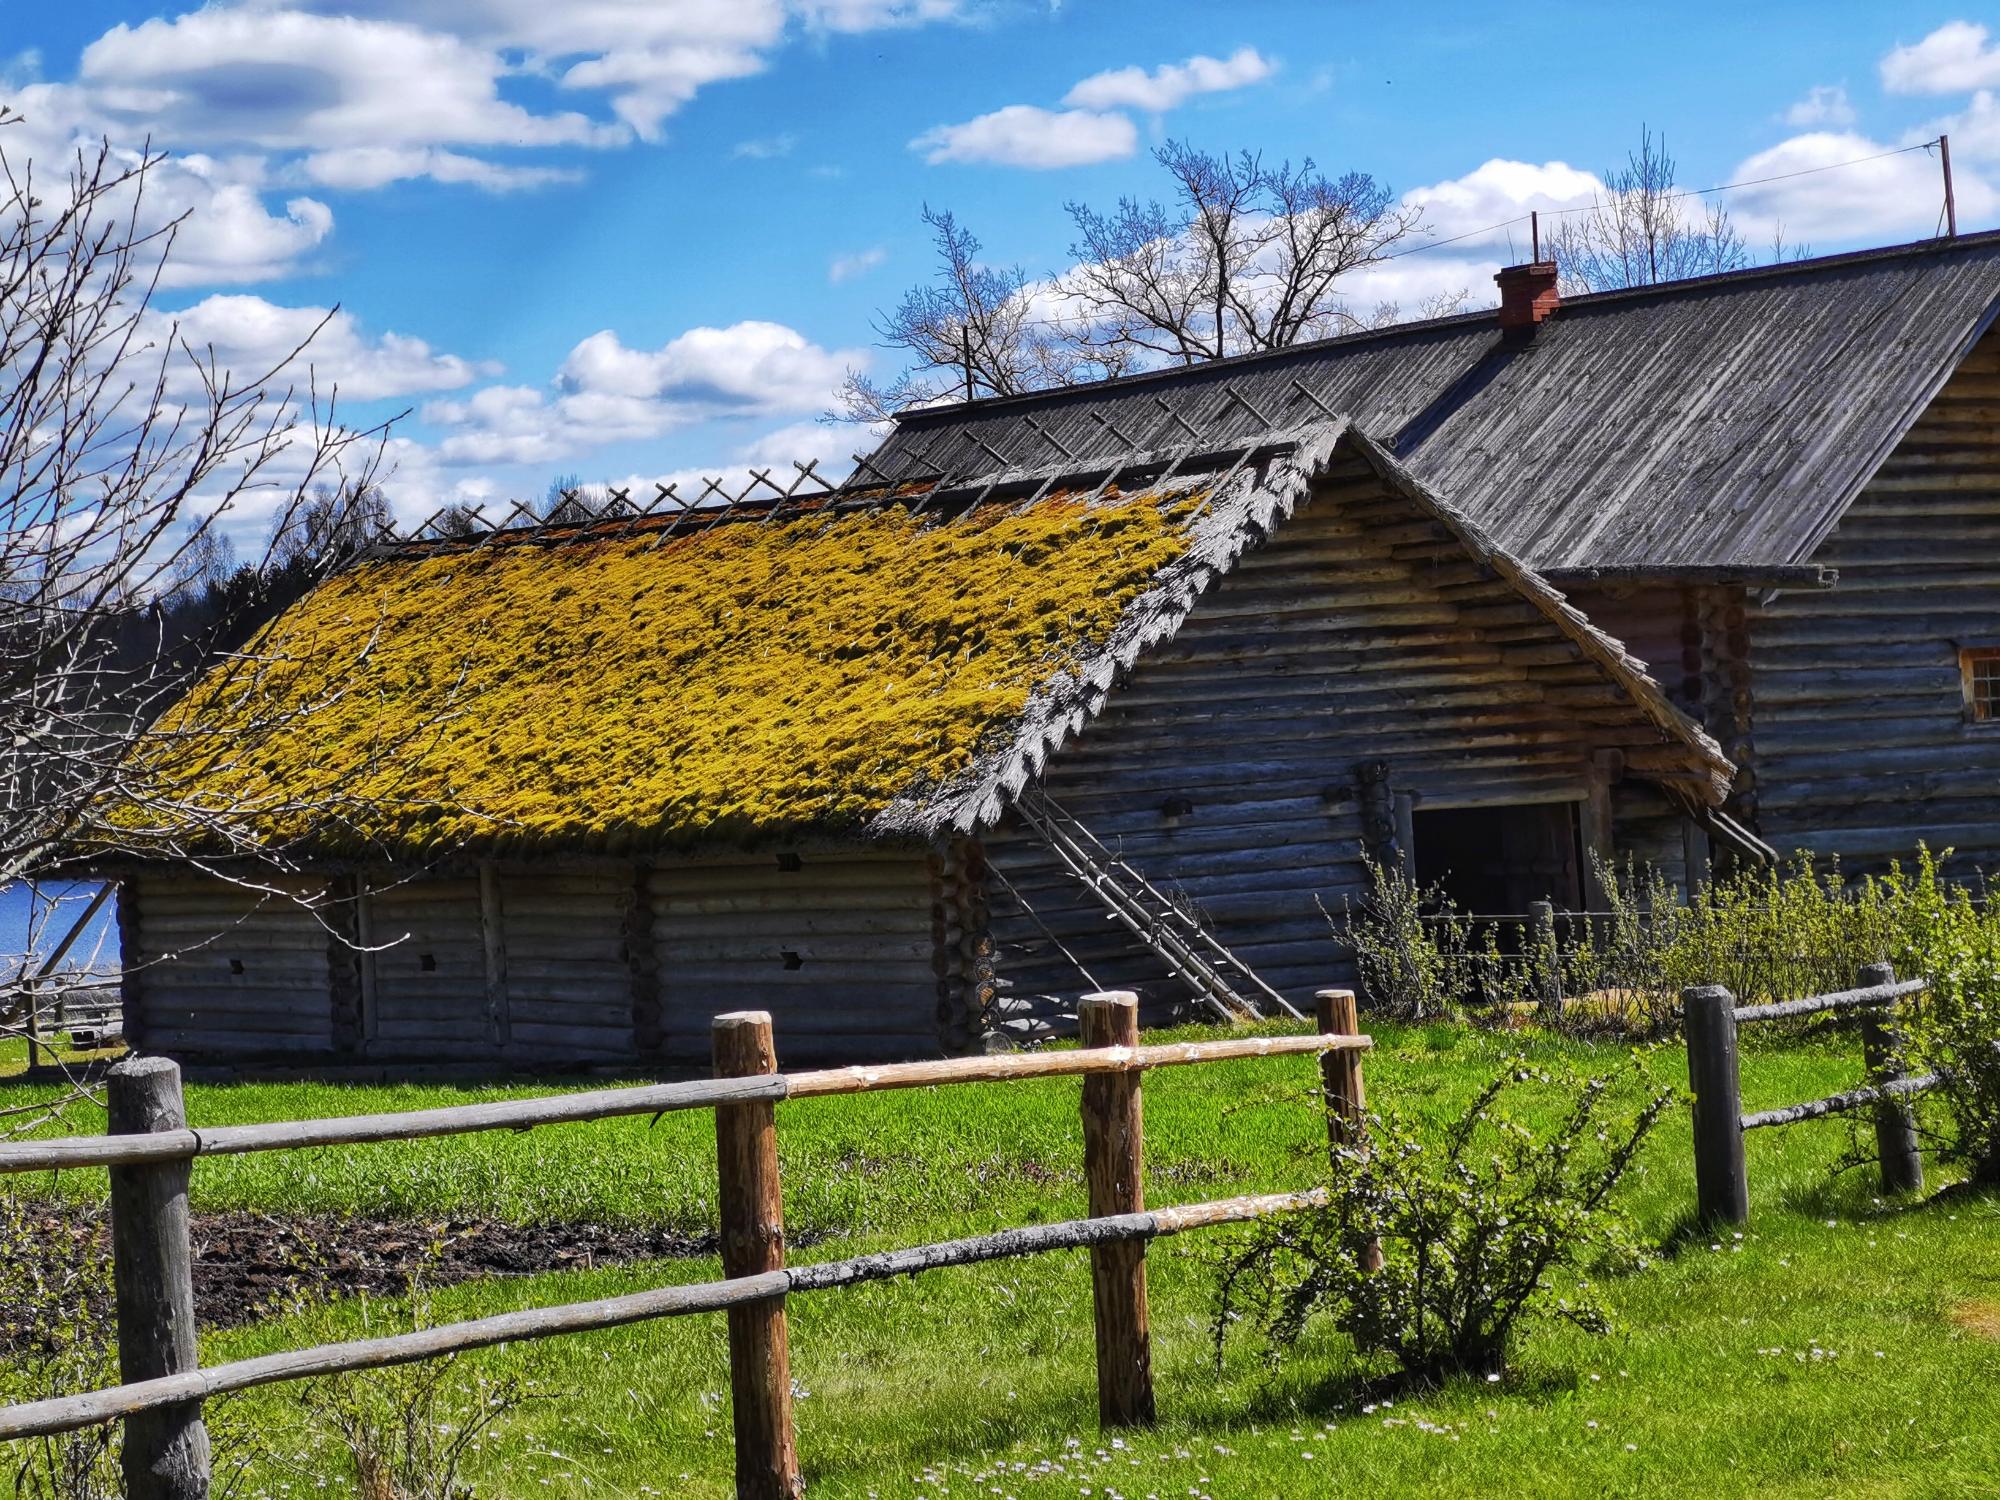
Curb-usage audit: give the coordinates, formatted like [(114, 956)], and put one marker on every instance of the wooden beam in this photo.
[(605, 1104), (493, 941), (70, 1413), (166, 1453), (1114, 1169), (753, 1244)]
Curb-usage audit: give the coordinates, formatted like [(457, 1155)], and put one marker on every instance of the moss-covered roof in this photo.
[(793, 676), (871, 672)]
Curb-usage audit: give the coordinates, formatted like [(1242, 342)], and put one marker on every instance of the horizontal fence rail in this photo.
[(1833, 1104), (652, 1099), (69, 1413), (1722, 1177), (1870, 997), (151, 1151)]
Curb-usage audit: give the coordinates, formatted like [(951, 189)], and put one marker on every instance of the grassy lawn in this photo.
[(1816, 1356)]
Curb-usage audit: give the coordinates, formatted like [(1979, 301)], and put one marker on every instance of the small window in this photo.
[(1979, 667)]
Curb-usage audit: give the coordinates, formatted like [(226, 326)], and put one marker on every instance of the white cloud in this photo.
[(748, 367), (1170, 85), (504, 424), (1824, 104), (765, 148), (358, 167), (1022, 135), (1974, 131), (250, 336), (1951, 60), (377, 91), (285, 80), (1886, 198), (231, 237), (1498, 191), (847, 267), (608, 392), (649, 56), (228, 233), (872, 15)]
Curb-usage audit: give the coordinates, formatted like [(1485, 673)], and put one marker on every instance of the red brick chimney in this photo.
[(1527, 294)]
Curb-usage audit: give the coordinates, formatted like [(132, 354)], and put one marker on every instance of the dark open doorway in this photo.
[(1493, 861)]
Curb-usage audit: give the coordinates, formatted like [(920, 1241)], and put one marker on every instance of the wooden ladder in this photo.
[(1218, 978)]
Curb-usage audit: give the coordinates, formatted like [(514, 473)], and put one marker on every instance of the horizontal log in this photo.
[(769, 973), (600, 1104), (900, 898), (70, 1413), (1872, 995), (1839, 1103)]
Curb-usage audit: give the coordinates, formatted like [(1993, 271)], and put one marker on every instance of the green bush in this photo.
[(1470, 1233), (1768, 935)]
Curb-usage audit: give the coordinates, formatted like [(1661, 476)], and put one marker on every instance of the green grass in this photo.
[(916, 1387)]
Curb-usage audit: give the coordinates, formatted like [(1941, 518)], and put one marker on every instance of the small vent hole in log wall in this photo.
[(236, 966), (427, 962), (790, 863), (793, 960)]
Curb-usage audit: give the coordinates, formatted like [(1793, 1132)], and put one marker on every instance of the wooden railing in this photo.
[(150, 1151), (1722, 1178)]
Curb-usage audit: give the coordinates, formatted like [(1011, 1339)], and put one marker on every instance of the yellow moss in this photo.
[(789, 676)]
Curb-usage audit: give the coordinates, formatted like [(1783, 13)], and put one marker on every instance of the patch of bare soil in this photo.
[(248, 1266), (1979, 1317)]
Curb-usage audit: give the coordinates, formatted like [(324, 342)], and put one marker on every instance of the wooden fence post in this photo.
[(1114, 1157), (1722, 1183), (753, 1241), (1346, 1095), (1895, 1119), (152, 1265)]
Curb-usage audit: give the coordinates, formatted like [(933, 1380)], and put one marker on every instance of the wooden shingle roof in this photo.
[(1720, 422)]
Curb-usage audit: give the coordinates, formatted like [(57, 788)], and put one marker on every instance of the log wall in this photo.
[(1361, 632), (837, 946), (860, 957), (1862, 744), (217, 970)]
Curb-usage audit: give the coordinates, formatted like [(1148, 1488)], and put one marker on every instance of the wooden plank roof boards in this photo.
[(1721, 422), (846, 672)]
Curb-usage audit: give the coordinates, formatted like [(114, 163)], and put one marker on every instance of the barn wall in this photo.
[(604, 963), (429, 971), (1862, 746), (839, 949), (216, 970), (1359, 633)]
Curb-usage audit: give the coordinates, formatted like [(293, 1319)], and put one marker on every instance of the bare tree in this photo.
[(973, 330), (1644, 229), (330, 526), (122, 450), (1245, 257)]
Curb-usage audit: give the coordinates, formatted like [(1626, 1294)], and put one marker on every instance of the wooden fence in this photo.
[(150, 1152), (1722, 1180)]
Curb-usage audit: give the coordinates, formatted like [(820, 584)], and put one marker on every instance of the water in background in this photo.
[(26, 913)]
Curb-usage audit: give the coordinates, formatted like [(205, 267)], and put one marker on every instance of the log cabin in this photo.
[(909, 764), (1780, 487)]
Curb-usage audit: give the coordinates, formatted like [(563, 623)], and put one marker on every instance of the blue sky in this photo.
[(635, 238)]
